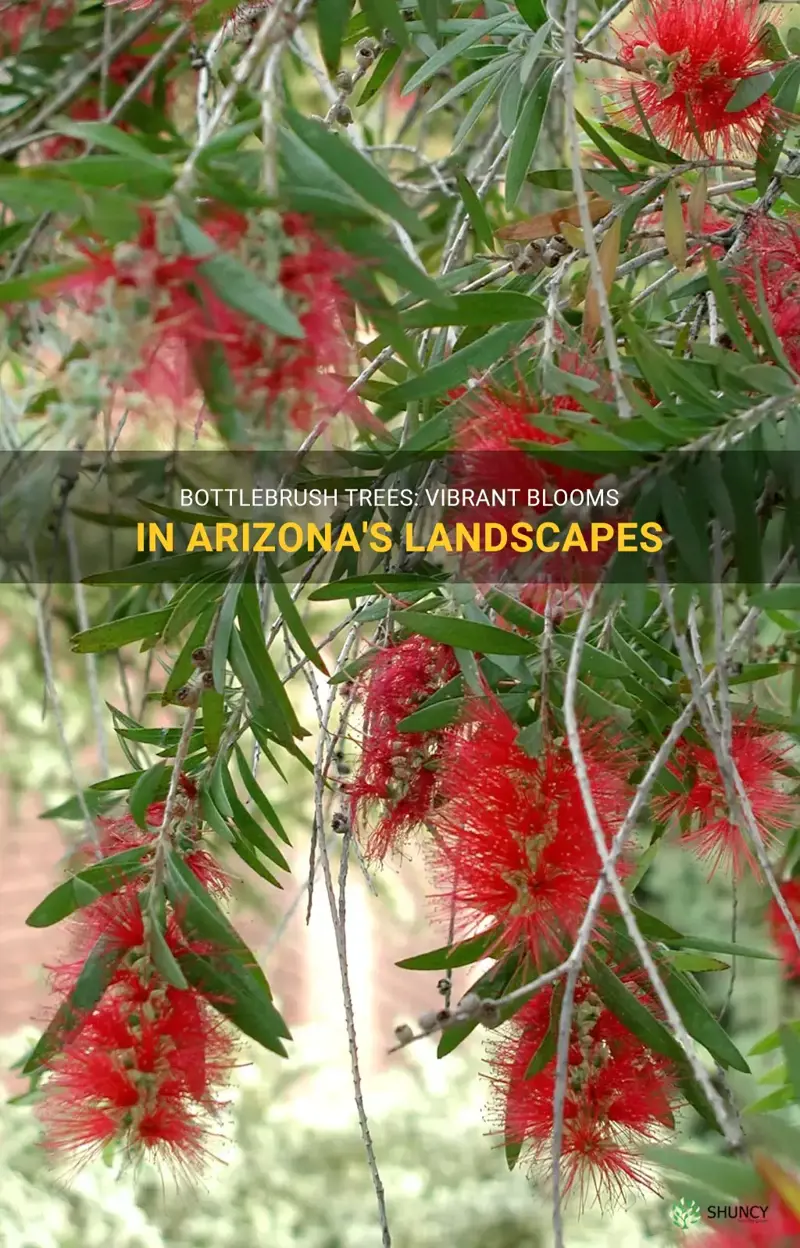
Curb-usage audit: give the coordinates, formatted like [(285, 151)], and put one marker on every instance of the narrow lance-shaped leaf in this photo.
[(147, 788), (97, 973), (100, 879), (259, 796), (674, 228), (607, 255), (526, 135), (698, 197), (453, 48), (122, 632)]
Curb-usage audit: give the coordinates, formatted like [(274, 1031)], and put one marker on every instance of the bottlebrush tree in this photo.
[(544, 257)]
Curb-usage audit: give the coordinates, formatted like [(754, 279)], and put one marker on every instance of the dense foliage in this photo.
[(526, 276)]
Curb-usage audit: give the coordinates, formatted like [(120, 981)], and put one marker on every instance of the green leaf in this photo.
[(515, 612), (236, 285), (602, 144), (700, 1023), (682, 525), (497, 67), (163, 957), (332, 21), (201, 919), (101, 134), (449, 957), (249, 828), (145, 791), (72, 809), (254, 1014), (781, 598), (368, 585), (367, 241), (358, 172), (192, 605), (596, 662), (533, 13), (790, 1042), (738, 474), (490, 308), (172, 568), (19, 289), (274, 696), (526, 135), (640, 146), (449, 51), (451, 372), (627, 1007), (749, 90), (380, 74), (120, 632), (720, 946), (97, 973), (222, 636), (430, 718), (475, 211), (385, 15), (548, 1046), (726, 1175), (291, 616), (698, 963), (116, 783), (257, 794), (781, 1098), (213, 705), (773, 137), (184, 665), (102, 878), (635, 661), (27, 196), (726, 309), (480, 638), (96, 173), (229, 975)]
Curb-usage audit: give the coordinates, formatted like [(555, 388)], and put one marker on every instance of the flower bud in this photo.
[(365, 52)]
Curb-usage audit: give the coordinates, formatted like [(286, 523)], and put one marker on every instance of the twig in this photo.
[(341, 947)]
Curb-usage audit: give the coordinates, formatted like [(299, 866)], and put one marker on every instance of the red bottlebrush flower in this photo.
[(176, 315), (396, 768), (781, 932), (121, 73), (759, 758), (307, 373), (773, 262), (619, 1094), (780, 1228), (18, 17), (141, 1069), (690, 56), (143, 1065), (487, 466), (513, 844)]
